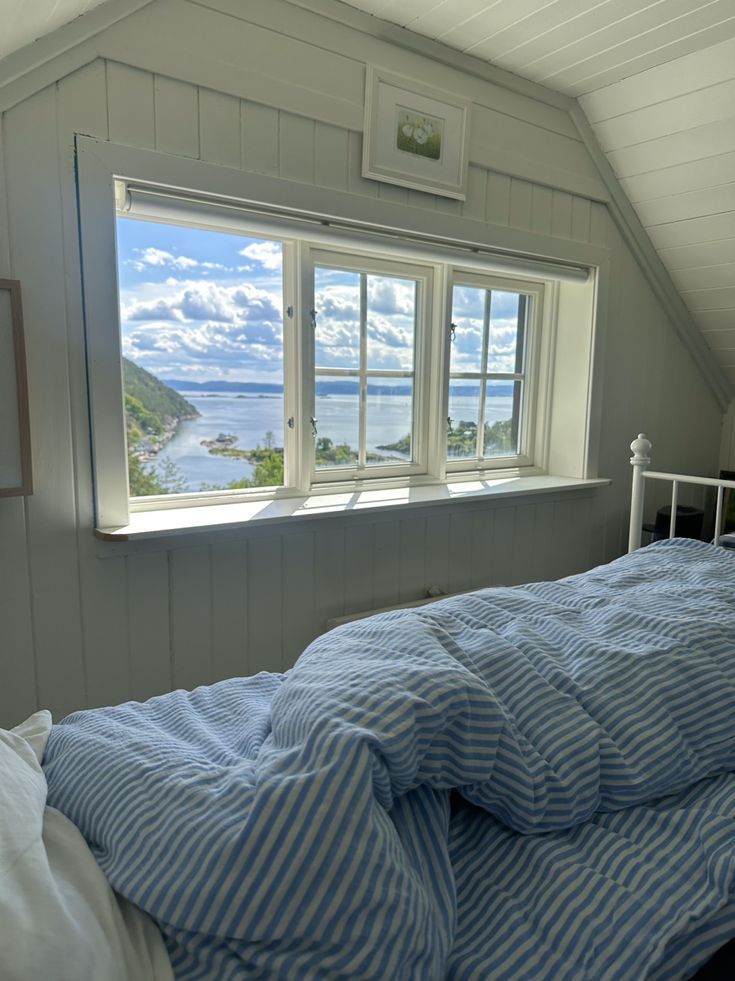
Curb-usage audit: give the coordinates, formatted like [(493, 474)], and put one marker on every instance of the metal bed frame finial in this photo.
[(641, 459)]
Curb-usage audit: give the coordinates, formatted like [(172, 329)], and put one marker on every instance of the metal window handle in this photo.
[(452, 331), (313, 426), (290, 422), (312, 314)]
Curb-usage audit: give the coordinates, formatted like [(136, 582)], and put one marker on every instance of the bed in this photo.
[(524, 783)]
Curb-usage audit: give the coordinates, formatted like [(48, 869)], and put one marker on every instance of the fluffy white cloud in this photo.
[(267, 254), (159, 257)]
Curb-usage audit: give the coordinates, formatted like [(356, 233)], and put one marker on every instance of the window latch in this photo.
[(313, 426), (449, 422), (290, 422), (289, 312), (312, 314), (452, 331)]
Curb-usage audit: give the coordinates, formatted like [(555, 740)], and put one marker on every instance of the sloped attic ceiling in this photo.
[(656, 79)]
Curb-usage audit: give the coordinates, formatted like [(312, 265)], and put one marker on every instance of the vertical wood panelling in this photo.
[(541, 557), (300, 623), (436, 562), (35, 224), (412, 579), (482, 551), (598, 223), (580, 219), (17, 661), (521, 557), (503, 544), (497, 201), (191, 616), (356, 183), (148, 625), (561, 214), (460, 551), (358, 568), (329, 583), (541, 209), (265, 608), (220, 137), (219, 128), (130, 106), (331, 157), (229, 610), (176, 116), (259, 127), (520, 204), (474, 205), (296, 148), (386, 563)]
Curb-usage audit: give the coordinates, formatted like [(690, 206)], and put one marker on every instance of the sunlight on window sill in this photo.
[(220, 517)]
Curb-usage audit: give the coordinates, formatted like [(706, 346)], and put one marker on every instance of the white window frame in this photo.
[(534, 316), (364, 263), (377, 228)]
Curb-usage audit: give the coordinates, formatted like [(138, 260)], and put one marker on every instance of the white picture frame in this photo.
[(415, 135), (15, 441)]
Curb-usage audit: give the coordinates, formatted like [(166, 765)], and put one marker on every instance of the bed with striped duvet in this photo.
[(520, 783)]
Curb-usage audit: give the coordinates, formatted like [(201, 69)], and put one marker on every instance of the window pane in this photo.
[(337, 303), (464, 405), (468, 313), (505, 345), (389, 421), (202, 338), (391, 321), (337, 405), (502, 402)]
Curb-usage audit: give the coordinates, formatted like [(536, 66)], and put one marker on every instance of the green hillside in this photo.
[(152, 407)]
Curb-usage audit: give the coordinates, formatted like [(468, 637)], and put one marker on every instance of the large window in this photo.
[(256, 364)]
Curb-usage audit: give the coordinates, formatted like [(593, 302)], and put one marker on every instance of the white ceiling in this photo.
[(24, 21), (656, 79)]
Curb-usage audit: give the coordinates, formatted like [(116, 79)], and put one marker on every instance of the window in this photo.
[(283, 355), (231, 385)]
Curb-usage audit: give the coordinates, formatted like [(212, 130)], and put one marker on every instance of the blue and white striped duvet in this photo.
[(527, 783)]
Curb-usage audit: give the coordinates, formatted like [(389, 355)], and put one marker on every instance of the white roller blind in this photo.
[(184, 208)]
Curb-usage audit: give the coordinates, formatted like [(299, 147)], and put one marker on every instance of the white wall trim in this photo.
[(636, 237)]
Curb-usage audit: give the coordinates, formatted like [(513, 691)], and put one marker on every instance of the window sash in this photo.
[(423, 277)]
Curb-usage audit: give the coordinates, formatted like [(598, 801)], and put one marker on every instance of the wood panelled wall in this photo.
[(84, 623)]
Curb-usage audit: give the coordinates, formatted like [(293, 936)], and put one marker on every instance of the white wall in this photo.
[(86, 623)]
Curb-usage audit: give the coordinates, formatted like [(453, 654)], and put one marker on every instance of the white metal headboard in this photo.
[(640, 461)]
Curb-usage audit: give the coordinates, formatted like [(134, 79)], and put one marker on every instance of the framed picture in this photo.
[(15, 444), (414, 135)]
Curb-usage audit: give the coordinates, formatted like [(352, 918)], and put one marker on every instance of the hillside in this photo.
[(151, 406)]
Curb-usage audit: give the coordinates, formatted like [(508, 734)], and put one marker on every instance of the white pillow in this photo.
[(59, 918)]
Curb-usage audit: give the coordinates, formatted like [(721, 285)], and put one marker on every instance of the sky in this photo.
[(204, 306)]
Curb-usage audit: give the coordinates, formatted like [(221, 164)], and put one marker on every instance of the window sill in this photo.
[(221, 517)]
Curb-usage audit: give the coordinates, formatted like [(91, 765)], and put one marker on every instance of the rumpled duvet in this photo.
[(520, 783)]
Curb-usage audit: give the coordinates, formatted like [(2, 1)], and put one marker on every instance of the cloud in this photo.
[(204, 300), (159, 257), (267, 254)]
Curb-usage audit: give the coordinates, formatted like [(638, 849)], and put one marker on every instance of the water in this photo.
[(250, 417)]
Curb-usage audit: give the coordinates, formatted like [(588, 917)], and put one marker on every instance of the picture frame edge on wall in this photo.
[(25, 487), (383, 159)]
